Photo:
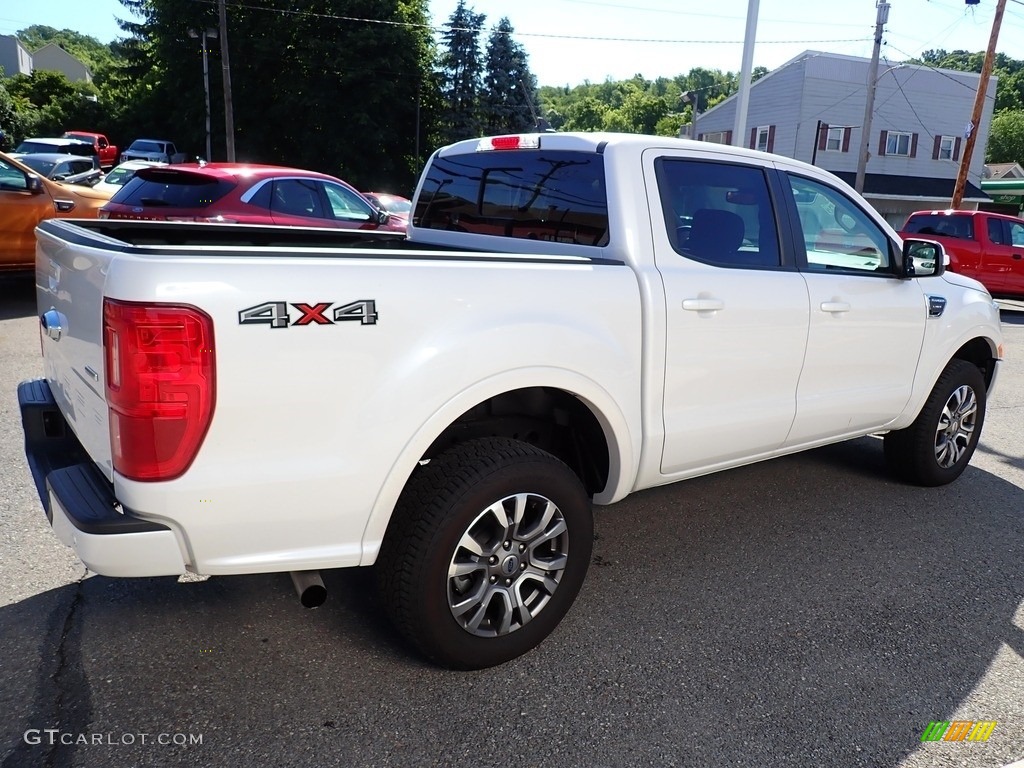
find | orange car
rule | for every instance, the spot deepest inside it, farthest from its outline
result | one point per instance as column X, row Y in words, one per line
column 26, row 198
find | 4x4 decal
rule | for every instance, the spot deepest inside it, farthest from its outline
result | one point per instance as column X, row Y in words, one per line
column 276, row 313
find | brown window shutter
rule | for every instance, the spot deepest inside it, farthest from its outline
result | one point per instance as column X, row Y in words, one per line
column 822, row 136
column 846, row 139
column 753, row 138
column 881, row 143
column 728, row 138
column 771, row 138
column 913, row 145
column 935, row 147
column 956, row 149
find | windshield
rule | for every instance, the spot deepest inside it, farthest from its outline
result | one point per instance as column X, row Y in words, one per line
column 118, row 176
column 30, row 147
column 146, row 146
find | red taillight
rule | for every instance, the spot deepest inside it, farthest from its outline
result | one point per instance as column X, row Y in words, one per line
column 160, row 386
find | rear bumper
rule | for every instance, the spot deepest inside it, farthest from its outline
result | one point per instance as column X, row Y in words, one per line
column 79, row 501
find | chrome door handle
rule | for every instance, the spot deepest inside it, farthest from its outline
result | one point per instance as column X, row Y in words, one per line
column 835, row 307
column 703, row 305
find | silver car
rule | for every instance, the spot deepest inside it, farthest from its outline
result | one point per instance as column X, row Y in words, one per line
column 70, row 169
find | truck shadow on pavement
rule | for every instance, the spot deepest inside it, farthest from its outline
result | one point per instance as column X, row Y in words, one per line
column 797, row 612
column 17, row 296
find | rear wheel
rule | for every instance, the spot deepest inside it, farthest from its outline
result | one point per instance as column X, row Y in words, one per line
column 937, row 447
column 486, row 553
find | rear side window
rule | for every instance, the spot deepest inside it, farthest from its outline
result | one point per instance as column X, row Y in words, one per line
column 719, row 213
column 995, row 232
column 172, row 190
column 961, row 227
column 529, row 194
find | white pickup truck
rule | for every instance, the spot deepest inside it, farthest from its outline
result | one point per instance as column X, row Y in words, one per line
column 572, row 317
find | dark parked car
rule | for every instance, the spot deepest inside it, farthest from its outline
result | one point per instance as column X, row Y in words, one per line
column 71, row 169
column 246, row 194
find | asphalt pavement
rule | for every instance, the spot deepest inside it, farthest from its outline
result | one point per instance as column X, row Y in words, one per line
column 808, row 611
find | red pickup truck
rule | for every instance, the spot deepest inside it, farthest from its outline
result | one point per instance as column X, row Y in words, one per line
column 986, row 246
column 104, row 148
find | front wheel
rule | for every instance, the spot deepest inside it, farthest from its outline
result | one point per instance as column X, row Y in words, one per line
column 937, row 447
column 487, row 550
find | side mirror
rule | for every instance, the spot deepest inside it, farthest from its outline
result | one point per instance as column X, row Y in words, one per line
column 60, row 177
column 34, row 184
column 382, row 216
column 923, row 258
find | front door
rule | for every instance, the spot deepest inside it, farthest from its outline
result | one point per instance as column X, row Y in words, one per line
column 866, row 324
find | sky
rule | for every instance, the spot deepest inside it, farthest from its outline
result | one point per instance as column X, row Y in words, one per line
column 573, row 41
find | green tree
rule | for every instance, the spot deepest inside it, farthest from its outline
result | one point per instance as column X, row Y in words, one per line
column 642, row 111
column 587, row 114
column 461, row 73
column 1006, row 138
column 509, row 96
column 341, row 86
column 47, row 104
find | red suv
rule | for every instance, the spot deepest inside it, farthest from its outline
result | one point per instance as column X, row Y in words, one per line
column 245, row 194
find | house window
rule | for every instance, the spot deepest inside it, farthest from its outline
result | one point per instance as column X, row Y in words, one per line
column 946, row 148
column 762, row 139
column 718, row 137
column 898, row 143
column 834, row 143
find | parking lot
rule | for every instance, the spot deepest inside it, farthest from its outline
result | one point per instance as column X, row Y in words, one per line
column 807, row 611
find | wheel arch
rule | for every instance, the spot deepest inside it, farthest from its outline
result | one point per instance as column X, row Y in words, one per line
column 982, row 353
column 557, row 410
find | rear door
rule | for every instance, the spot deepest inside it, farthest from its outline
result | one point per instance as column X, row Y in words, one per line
column 736, row 313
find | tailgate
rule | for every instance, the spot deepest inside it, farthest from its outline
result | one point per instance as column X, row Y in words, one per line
column 69, row 291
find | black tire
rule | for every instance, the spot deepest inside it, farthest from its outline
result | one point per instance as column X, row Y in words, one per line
column 459, row 498
column 937, row 447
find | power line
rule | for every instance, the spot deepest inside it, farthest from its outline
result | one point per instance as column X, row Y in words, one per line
column 517, row 33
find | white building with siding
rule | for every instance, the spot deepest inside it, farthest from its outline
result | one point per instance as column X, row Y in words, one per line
column 812, row 109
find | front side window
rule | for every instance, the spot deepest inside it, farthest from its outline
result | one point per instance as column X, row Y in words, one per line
column 1016, row 233
column 535, row 194
column 897, row 143
column 12, row 178
column 347, row 205
column 834, row 143
column 837, row 233
column 718, row 213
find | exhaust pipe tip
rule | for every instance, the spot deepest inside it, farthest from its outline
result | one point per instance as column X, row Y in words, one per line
column 309, row 587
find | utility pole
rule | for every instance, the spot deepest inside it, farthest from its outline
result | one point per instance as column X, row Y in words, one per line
column 206, row 81
column 881, row 17
column 743, row 97
column 229, row 117
column 979, row 104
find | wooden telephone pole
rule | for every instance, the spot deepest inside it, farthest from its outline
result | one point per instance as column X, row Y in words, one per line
column 979, row 104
